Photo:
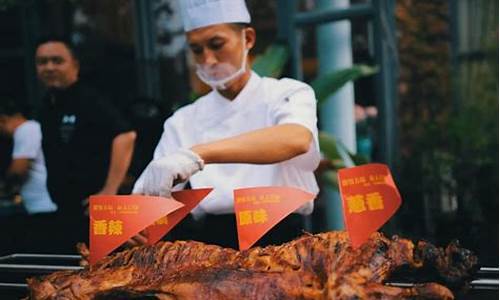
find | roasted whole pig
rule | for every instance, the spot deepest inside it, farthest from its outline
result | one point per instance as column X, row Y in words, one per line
column 321, row 266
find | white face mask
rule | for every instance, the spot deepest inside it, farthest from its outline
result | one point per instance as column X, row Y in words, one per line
column 219, row 75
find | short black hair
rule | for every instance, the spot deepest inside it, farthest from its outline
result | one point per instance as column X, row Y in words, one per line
column 48, row 38
column 10, row 106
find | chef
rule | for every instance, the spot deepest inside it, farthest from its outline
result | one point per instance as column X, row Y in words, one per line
column 249, row 131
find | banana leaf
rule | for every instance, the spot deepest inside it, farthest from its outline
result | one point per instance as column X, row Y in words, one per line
column 272, row 62
column 327, row 84
column 354, row 159
column 338, row 156
column 338, row 153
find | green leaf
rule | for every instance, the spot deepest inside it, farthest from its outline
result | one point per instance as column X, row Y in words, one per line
column 272, row 61
column 345, row 154
column 328, row 145
column 335, row 151
column 338, row 153
column 327, row 84
column 193, row 96
column 354, row 159
column 330, row 178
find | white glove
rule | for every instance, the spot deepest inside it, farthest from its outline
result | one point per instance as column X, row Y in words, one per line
column 159, row 176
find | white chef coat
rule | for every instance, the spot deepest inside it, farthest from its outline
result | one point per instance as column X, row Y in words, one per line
column 27, row 145
column 263, row 102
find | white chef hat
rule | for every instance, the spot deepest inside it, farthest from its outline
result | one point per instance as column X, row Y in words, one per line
column 201, row 13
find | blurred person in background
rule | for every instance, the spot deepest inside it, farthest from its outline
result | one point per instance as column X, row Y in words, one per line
column 25, row 177
column 248, row 131
column 87, row 143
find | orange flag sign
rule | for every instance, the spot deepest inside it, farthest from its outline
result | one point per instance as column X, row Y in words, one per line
column 115, row 219
column 259, row 209
column 369, row 197
column 190, row 198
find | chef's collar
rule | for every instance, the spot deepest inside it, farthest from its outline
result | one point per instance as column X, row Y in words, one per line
column 248, row 89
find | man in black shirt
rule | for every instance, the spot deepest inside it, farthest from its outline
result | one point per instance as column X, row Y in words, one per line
column 87, row 144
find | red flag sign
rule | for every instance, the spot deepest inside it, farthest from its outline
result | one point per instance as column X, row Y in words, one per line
column 259, row 209
column 190, row 198
column 115, row 219
column 369, row 197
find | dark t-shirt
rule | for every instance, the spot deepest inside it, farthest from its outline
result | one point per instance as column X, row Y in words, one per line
column 78, row 127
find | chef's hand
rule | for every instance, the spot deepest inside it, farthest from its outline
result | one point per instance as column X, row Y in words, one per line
column 162, row 174
column 103, row 191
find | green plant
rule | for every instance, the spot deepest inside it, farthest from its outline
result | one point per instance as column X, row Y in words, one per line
column 5, row 4
column 326, row 85
column 449, row 125
column 272, row 62
column 337, row 153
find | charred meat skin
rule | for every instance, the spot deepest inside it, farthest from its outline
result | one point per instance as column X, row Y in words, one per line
column 321, row 266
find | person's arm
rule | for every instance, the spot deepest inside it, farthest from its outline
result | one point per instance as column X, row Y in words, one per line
column 264, row 146
column 17, row 173
column 19, row 167
column 121, row 155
